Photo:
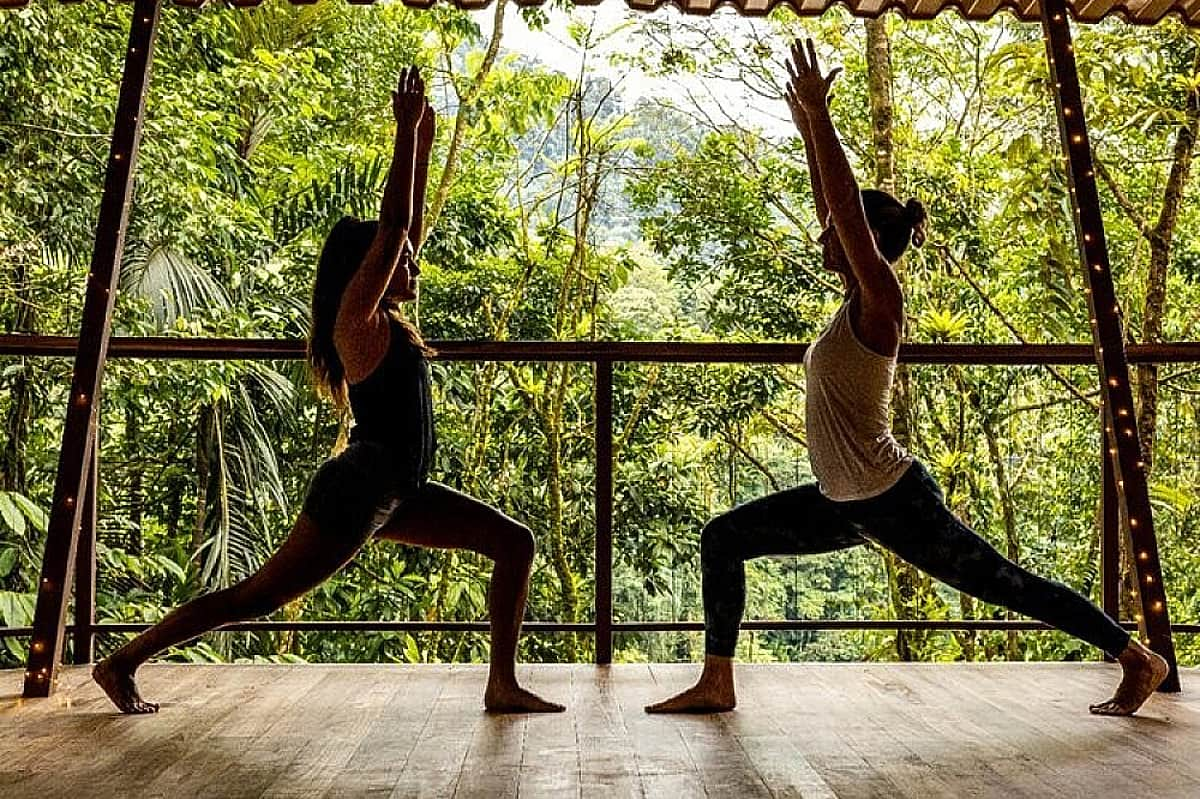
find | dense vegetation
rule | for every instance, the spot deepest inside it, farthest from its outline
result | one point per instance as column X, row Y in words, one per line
column 568, row 201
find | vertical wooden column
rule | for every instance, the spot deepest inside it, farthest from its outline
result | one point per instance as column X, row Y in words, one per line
column 1120, row 425
column 45, row 650
column 604, row 511
column 84, row 638
column 1110, row 538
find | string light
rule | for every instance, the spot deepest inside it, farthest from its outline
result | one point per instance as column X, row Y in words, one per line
column 1123, row 412
column 1087, row 237
column 1112, row 381
column 1149, row 578
column 1133, row 522
column 1158, row 605
column 1144, row 555
column 69, row 502
column 38, row 646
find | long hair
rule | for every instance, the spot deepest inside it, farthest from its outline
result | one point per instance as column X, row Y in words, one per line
column 343, row 253
column 896, row 223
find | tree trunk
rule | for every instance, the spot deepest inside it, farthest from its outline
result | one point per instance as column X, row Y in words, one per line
column 137, row 498
column 1008, row 510
column 465, row 99
column 906, row 583
column 1154, row 305
column 204, row 424
column 13, row 473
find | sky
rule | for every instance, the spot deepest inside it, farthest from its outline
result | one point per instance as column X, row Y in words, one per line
column 552, row 45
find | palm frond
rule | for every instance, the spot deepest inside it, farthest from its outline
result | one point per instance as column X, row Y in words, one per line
column 175, row 286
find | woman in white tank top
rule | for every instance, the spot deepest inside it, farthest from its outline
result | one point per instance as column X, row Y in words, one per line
column 868, row 487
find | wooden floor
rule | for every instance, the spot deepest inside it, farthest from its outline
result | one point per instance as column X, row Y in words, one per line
column 804, row 730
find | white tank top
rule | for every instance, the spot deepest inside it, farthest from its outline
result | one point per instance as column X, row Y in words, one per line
column 848, row 414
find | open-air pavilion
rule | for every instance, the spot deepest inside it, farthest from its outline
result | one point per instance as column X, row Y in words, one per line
column 837, row 730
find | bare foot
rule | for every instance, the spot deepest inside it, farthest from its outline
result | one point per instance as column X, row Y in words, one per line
column 1144, row 671
column 515, row 699
column 700, row 698
column 121, row 688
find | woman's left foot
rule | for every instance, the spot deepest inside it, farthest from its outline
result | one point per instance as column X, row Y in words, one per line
column 1144, row 672
column 515, row 699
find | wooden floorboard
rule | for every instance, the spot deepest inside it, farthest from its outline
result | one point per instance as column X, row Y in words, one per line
column 816, row 731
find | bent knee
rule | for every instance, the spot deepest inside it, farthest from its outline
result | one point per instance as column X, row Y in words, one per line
column 717, row 538
column 517, row 544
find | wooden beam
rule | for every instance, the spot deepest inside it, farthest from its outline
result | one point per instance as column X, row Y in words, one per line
column 1108, row 338
column 83, row 637
column 49, row 621
column 231, row 349
column 604, row 510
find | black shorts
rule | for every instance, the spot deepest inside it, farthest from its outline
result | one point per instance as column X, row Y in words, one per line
column 356, row 492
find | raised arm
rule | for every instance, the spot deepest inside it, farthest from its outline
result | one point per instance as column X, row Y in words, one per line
column 882, row 302
column 800, row 120
column 359, row 321
column 425, row 133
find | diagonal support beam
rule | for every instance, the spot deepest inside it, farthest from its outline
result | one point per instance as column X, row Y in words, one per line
column 1120, row 425
column 79, row 433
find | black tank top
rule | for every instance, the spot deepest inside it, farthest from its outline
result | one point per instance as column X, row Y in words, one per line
column 393, row 406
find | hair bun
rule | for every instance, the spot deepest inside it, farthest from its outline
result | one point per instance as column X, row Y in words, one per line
column 914, row 213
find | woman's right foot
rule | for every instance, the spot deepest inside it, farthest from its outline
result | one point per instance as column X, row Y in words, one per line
column 1144, row 670
column 118, row 683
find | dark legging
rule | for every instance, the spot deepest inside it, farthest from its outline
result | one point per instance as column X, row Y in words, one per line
column 910, row 519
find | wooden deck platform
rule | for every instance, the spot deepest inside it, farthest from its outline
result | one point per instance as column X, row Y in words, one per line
column 803, row 730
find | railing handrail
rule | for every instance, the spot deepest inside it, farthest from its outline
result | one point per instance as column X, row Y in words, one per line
column 592, row 351
column 602, row 355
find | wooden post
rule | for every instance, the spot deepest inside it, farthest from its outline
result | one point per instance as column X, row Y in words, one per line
column 604, row 511
column 84, row 638
column 1110, row 540
column 1120, row 425
column 1110, row 529
column 49, row 621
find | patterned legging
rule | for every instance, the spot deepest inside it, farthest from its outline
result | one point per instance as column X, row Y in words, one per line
column 911, row 520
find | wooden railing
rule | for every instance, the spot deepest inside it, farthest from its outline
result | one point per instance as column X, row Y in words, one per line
column 602, row 356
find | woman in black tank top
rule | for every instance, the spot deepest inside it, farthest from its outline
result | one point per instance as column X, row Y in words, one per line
column 364, row 355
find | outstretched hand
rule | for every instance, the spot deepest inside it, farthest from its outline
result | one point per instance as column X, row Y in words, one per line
column 807, row 88
column 408, row 99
